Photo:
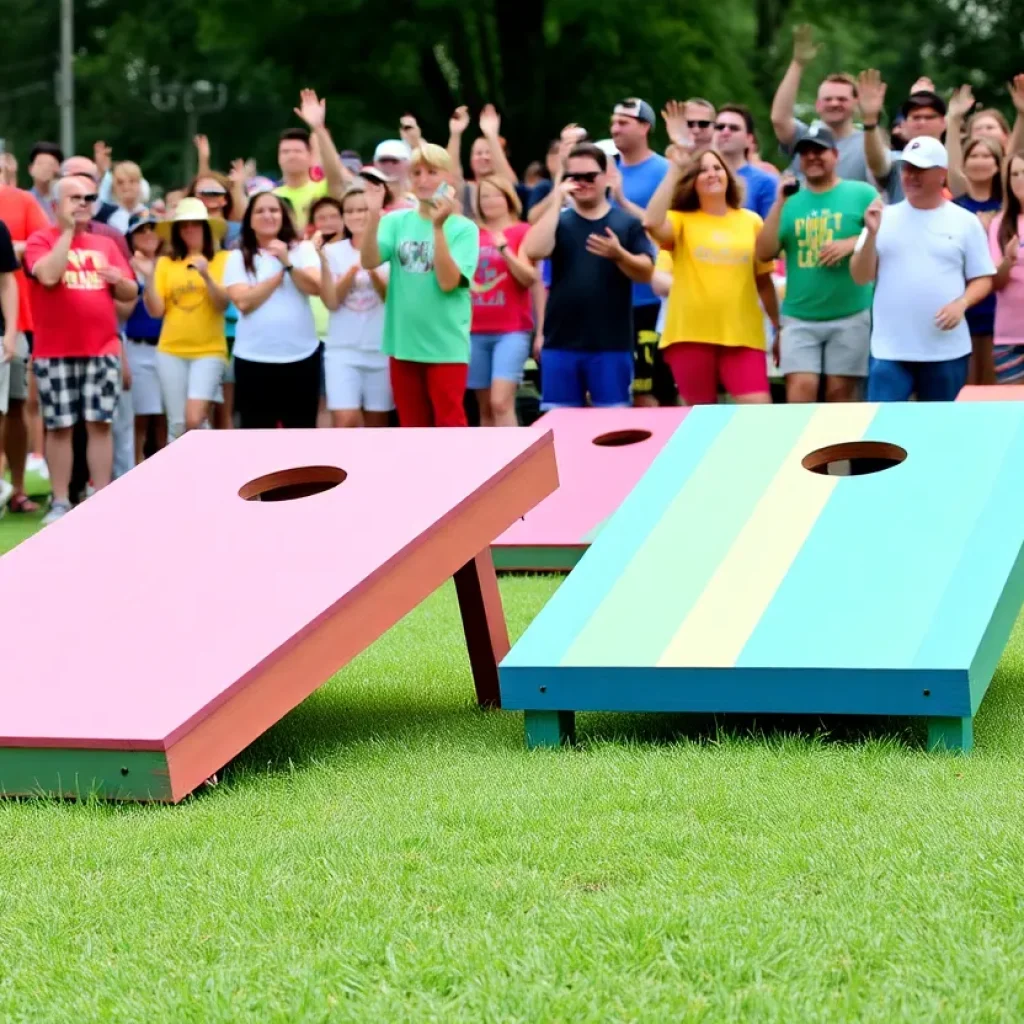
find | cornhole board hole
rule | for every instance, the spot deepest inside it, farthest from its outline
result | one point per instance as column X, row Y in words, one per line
column 991, row 393
column 741, row 575
column 177, row 615
column 601, row 454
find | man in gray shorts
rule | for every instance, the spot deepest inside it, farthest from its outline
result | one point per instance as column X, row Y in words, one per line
column 826, row 316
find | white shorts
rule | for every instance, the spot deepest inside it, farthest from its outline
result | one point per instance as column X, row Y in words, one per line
column 145, row 381
column 357, row 380
column 14, row 376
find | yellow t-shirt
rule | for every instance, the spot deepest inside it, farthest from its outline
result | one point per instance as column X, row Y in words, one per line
column 301, row 199
column 714, row 294
column 193, row 327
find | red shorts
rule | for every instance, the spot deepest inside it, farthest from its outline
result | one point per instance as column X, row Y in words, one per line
column 698, row 369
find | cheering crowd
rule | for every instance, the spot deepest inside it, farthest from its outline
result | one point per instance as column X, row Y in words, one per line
column 884, row 263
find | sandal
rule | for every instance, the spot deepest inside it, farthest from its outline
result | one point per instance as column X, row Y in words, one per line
column 22, row 503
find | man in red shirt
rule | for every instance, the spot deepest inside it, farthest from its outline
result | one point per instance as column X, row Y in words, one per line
column 23, row 216
column 76, row 276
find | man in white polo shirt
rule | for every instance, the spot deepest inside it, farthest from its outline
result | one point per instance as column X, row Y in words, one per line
column 930, row 262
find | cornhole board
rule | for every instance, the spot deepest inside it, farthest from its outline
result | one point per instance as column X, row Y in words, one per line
column 991, row 393
column 735, row 579
column 167, row 622
column 601, row 454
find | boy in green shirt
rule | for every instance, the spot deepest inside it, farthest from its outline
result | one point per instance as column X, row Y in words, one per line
column 826, row 315
column 433, row 253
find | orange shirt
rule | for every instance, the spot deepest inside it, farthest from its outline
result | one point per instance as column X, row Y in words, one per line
column 23, row 215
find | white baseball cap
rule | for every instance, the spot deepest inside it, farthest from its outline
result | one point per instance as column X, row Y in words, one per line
column 392, row 149
column 925, row 152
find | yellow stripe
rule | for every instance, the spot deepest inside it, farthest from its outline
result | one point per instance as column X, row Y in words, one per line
column 726, row 613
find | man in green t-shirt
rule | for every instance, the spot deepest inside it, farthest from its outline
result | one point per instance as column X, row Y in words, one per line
column 826, row 316
column 433, row 253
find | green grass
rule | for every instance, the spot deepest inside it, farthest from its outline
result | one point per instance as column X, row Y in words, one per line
column 388, row 853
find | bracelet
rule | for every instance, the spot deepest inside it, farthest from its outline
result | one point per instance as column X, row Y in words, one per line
column 288, row 268
column 502, row 248
column 869, row 127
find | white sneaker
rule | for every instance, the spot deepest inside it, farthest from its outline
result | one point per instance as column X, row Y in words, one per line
column 58, row 510
column 6, row 493
column 37, row 464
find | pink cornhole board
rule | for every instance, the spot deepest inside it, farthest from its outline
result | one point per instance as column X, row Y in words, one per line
column 594, row 479
column 991, row 393
column 167, row 622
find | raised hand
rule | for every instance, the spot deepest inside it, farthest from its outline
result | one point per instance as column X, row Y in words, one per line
column 873, row 216
column 566, row 187
column 318, row 242
column 237, row 175
column 8, row 169
column 1016, row 90
column 786, row 181
column 607, row 245
column 409, row 129
column 459, row 121
column 871, row 90
column 441, row 210
column 143, row 265
column 805, row 49
column 102, row 156
column 202, row 144
column 490, row 122
column 681, row 156
column 311, row 109
column 278, row 249
column 962, row 102
column 374, row 200
column 615, row 180
column 674, row 116
column 923, row 84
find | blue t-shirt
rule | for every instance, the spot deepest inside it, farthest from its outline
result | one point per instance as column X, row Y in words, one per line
column 639, row 183
column 981, row 318
column 759, row 190
column 140, row 326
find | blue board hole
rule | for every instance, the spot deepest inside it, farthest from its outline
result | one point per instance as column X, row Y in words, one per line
column 854, row 458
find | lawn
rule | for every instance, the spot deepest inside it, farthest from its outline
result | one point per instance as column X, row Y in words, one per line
column 389, row 852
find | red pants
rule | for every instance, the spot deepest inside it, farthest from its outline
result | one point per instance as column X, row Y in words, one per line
column 429, row 394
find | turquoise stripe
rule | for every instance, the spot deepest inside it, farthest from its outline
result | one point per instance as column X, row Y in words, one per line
column 866, row 584
column 551, row 633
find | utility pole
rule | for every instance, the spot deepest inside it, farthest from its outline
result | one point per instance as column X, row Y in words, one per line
column 66, row 95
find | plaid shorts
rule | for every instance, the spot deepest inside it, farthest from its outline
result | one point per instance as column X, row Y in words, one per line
column 73, row 389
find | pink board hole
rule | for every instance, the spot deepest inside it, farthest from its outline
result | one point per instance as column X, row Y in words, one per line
column 854, row 458
column 291, row 484
column 620, row 438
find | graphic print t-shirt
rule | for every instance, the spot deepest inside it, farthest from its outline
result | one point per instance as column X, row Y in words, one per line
column 359, row 323
column 76, row 317
column 422, row 323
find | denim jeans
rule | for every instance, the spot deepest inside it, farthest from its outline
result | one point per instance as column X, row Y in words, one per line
column 890, row 380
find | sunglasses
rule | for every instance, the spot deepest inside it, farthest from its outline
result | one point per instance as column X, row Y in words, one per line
column 720, row 127
column 698, row 124
column 389, row 160
column 211, row 193
column 588, row 177
column 85, row 200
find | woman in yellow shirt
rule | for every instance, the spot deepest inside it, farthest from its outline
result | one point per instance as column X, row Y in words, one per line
column 184, row 288
column 714, row 328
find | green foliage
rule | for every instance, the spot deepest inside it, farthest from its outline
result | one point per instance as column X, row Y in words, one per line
column 543, row 62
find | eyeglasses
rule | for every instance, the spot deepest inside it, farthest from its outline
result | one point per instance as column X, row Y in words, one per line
column 211, row 193
column 721, row 126
column 698, row 124
column 389, row 160
column 588, row 177
column 406, row 126
column 85, row 200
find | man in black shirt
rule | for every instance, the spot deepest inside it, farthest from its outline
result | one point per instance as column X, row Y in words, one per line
column 8, row 334
column 596, row 252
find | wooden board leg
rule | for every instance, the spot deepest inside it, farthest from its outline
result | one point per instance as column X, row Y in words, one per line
column 951, row 734
column 483, row 620
column 550, row 728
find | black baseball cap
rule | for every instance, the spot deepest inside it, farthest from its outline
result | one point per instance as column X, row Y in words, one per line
column 819, row 136
column 640, row 109
column 925, row 98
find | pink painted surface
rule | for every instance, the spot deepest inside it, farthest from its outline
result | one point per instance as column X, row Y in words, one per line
column 991, row 393
column 593, row 480
column 138, row 611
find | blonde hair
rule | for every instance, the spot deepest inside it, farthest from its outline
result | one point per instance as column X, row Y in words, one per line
column 505, row 188
column 128, row 168
column 432, row 155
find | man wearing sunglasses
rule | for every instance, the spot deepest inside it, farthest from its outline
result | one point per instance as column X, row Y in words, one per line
column 640, row 171
column 76, row 278
column 734, row 135
column 597, row 250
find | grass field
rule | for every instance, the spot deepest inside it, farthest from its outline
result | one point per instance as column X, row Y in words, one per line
column 389, row 853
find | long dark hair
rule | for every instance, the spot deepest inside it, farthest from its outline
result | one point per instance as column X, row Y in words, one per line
column 1011, row 205
column 685, row 197
column 179, row 250
column 249, row 245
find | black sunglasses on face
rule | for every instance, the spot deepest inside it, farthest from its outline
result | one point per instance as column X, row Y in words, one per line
column 589, row 177
column 698, row 124
column 407, row 127
column 721, row 127
column 85, row 200
column 211, row 193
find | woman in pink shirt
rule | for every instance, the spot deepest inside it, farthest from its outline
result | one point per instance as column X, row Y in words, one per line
column 1005, row 235
column 502, row 318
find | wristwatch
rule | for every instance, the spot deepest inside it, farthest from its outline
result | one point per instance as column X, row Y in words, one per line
column 869, row 127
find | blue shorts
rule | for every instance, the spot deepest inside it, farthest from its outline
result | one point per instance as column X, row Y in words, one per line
column 890, row 380
column 567, row 377
column 497, row 357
